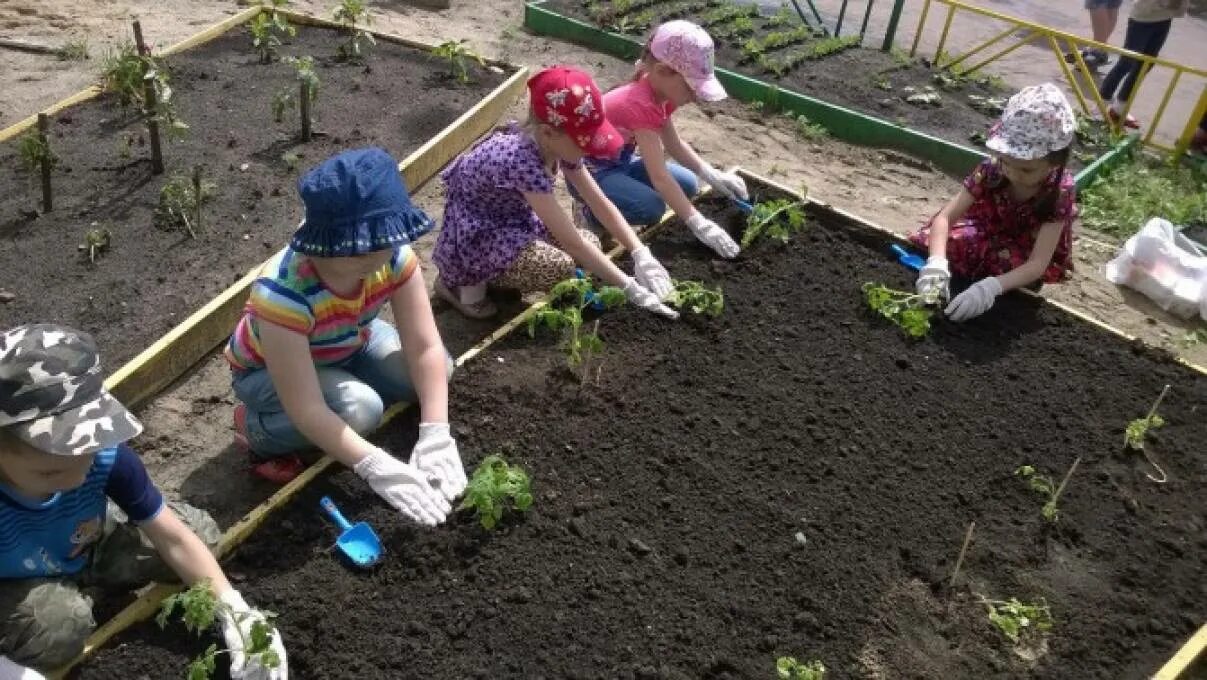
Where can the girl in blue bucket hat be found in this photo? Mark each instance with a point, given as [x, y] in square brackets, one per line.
[314, 366]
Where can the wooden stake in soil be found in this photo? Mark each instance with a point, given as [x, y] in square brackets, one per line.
[960, 559]
[149, 104]
[196, 200]
[1060, 489]
[44, 140]
[582, 380]
[304, 106]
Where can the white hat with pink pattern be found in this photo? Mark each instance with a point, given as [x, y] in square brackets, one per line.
[1037, 121]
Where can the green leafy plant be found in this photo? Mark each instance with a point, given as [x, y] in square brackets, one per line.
[735, 29]
[122, 74]
[73, 50]
[494, 487]
[1123, 201]
[1018, 619]
[1195, 337]
[726, 12]
[268, 28]
[808, 130]
[200, 609]
[990, 106]
[125, 73]
[34, 152]
[788, 668]
[694, 296]
[778, 219]
[568, 318]
[909, 311]
[96, 241]
[1138, 429]
[306, 75]
[812, 51]
[353, 14]
[458, 56]
[180, 202]
[1042, 485]
[783, 16]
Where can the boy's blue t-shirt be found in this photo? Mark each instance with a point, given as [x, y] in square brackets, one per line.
[54, 537]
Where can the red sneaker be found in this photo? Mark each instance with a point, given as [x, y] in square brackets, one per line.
[281, 470]
[1129, 122]
[241, 439]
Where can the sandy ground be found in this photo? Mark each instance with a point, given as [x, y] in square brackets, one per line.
[188, 427]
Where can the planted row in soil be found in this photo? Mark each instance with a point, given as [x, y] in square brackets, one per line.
[149, 280]
[861, 78]
[669, 498]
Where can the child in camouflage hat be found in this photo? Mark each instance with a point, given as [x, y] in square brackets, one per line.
[77, 510]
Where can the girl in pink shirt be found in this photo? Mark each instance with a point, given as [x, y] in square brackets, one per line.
[676, 69]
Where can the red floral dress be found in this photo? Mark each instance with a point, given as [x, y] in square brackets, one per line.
[997, 233]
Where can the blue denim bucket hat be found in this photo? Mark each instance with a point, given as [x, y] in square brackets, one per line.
[356, 203]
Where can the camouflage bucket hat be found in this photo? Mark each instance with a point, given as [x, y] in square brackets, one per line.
[52, 394]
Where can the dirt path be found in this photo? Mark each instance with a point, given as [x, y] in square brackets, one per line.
[188, 427]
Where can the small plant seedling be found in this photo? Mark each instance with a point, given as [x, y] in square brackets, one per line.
[910, 311]
[304, 94]
[1195, 337]
[180, 202]
[353, 14]
[1044, 486]
[1137, 430]
[458, 56]
[778, 219]
[122, 74]
[694, 296]
[810, 131]
[788, 668]
[74, 50]
[1018, 619]
[494, 487]
[568, 320]
[268, 28]
[35, 152]
[990, 106]
[199, 610]
[96, 241]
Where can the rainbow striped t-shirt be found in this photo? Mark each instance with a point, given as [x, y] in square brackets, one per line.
[290, 293]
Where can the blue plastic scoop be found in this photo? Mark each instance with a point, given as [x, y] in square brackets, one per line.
[914, 262]
[357, 543]
[744, 206]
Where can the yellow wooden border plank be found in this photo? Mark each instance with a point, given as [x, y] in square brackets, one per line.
[1185, 657]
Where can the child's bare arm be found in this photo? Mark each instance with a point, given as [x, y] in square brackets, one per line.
[1037, 261]
[426, 357]
[940, 226]
[680, 150]
[649, 143]
[183, 551]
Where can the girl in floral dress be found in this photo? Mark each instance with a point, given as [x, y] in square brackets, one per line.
[504, 227]
[1011, 225]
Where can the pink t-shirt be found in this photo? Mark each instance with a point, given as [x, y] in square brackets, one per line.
[633, 106]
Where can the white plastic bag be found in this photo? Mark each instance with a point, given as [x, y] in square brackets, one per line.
[1165, 266]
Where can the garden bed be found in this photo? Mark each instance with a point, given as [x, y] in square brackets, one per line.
[792, 478]
[150, 279]
[852, 82]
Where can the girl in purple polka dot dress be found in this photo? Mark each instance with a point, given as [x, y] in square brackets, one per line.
[504, 227]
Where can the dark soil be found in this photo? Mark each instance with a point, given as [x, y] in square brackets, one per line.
[867, 80]
[151, 279]
[663, 542]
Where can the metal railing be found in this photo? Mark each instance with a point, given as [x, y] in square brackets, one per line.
[1028, 32]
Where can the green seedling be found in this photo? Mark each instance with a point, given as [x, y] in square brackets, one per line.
[808, 130]
[818, 49]
[778, 219]
[458, 55]
[783, 16]
[1123, 201]
[125, 74]
[1137, 430]
[909, 311]
[494, 487]
[291, 160]
[1043, 485]
[268, 29]
[74, 50]
[35, 152]
[788, 668]
[1195, 337]
[881, 82]
[726, 12]
[353, 14]
[122, 74]
[990, 106]
[979, 138]
[568, 318]
[180, 202]
[305, 76]
[1018, 619]
[96, 241]
[734, 30]
[928, 97]
[200, 609]
[694, 296]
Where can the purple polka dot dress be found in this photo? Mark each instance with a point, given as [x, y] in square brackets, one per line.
[487, 222]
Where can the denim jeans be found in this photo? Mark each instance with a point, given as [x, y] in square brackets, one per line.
[358, 390]
[627, 184]
[1143, 37]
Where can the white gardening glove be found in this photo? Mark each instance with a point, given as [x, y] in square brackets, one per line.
[708, 233]
[237, 627]
[10, 670]
[638, 295]
[975, 301]
[650, 273]
[436, 455]
[403, 486]
[727, 183]
[933, 279]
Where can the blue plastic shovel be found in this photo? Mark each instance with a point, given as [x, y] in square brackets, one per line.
[914, 262]
[357, 543]
[744, 206]
[592, 297]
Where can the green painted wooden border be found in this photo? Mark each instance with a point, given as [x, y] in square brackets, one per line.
[843, 123]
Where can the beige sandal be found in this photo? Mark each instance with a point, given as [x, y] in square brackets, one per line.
[483, 309]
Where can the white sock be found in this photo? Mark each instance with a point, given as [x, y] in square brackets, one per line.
[472, 295]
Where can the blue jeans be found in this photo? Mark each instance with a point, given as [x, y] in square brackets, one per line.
[357, 390]
[1143, 37]
[627, 184]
